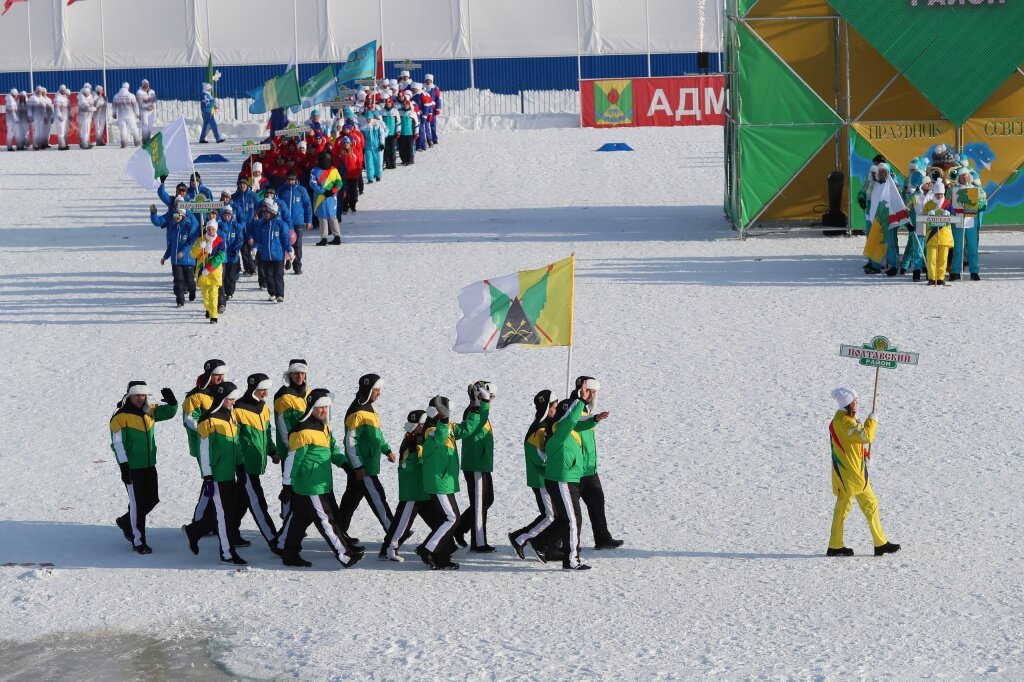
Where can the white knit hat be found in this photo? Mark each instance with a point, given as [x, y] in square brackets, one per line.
[138, 389]
[429, 77]
[844, 396]
[257, 166]
[405, 74]
[938, 187]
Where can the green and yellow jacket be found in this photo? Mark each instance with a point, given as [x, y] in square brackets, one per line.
[254, 434]
[535, 457]
[564, 447]
[585, 429]
[312, 451]
[219, 452]
[440, 456]
[196, 402]
[364, 442]
[289, 406]
[410, 469]
[478, 447]
[131, 433]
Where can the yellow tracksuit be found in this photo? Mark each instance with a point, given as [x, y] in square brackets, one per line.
[938, 242]
[208, 270]
[850, 475]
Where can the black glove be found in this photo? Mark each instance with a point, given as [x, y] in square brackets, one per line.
[862, 202]
[163, 179]
[126, 477]
[286, 494]
[152, 208]
[168, 396]
[328, 192]
[208, 487]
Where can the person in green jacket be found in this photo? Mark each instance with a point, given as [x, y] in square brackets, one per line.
[562, 473]
[545, 403]
[591, 491]
[289, 406]
[219, 457]
[131, 439]
[364, 445]
[441, 474]
[477, 465]
[196, 402]
[411, 497]
[312, 450]
[256, 440]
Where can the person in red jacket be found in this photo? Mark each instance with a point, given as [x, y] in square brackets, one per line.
[351, 167]
[358, 145]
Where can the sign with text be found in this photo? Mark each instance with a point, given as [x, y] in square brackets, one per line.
[202, 206]
[641, 102]
[878, 353]
[295, 131]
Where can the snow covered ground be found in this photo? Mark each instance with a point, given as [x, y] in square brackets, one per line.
[716, 359]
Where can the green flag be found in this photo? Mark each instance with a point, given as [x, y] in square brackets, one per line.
[155, 147]
[276, 93]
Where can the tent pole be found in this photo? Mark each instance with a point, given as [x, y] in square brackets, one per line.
[878, 96]
[647, 16]
[31, 71]
[579, 60]
[103, 47]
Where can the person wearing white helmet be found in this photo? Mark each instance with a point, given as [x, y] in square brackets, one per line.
[62, 109]
[14, 114]
[86, 110]
[847, 437]
[126, 111]
[147, 109]
[430, 88]
[99, 117]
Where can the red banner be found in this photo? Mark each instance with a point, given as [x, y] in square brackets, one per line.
[680, 101]
[73, 132]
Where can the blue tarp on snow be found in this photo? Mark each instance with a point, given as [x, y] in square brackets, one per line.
[615, 147]
[210, 158]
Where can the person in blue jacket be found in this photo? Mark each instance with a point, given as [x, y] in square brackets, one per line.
[373, 147]
[245, 201]
[325, 183]
[233, 234]
[273, 242]
[298, 214]
[208, 105]
[180, 192]
[196, 187]
[181, 234]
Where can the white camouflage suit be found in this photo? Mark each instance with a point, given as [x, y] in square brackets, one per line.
[126, 111]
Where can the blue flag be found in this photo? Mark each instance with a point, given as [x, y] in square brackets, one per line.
[361, 63]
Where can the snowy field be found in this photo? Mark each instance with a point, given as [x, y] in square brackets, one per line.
[716, 359]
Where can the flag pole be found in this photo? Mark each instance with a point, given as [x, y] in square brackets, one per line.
[568, 374]
[103, 48]
[295, 35]
[874, 402]
[31, 71]
[568, 366]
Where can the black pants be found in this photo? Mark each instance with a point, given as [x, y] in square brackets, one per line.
[184, 280]
[355, 491]
[538, 530]
[251, 499]
[221, 516]
[593, 496]
[351, 193]
[405, 514]
[297, 246]
[565, 498]
[405, 149]
[272, 272]
[260, 275]
[248, 262]
[231, 272]
[440, 542]
[321, 511]
[143, 497]
[389, 151]
[481, 497]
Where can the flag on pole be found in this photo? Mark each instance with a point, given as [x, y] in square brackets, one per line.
[888, 212]
[361, 63]
[276, 93]
[380, 63]
[322, 87]
[71, 2]
[212, 75]
[7, 5]
[528, 308]
[166, 152]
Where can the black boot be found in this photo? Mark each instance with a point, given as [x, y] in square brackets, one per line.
[293, 559]
[870, 269]
[892, 272]
[193, 541]
[122, 523]
[887, 548]
[954, 277]
[917, 275]
[842, 551]
[235, 559]
[425, 555]
[322, 242]
[516, 546]
[611, 543]
[143, 549]
[975, 277]
[336, 241]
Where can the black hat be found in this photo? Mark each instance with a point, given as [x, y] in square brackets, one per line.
[269, 190]
[195, 176]
[438, 407]
[220, 393]
[563, 407]
[211, 367]
[181, 185]
[541, 401]
[415, 418]
[295, 365]
[367, 383]
[254, 383]
[579, 384]
[292, 175]
[318, 397]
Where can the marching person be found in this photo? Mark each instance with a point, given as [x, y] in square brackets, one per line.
[14, 114]
[364, 445]
[147, 109]
[257, 442]
[298, 214]
[86, 112]
[208, 106]
[848, 436]
[39, 106]
[350, 164]
[126, 111]
[181, 237]
[390, 117]
[274, 246]
[234, 242]
[325, 181]
[477, 465]
[219, 457]
[62, 108]
[312, 450]
[591, 492]
[197, 401]
[562, 472]
[407, 126]
[99, 117]
[289, 406]
[246, 202]
[441, 477]
[209, 253]
[411, 498]
[545, 404]
[430, 129]
[131, 439]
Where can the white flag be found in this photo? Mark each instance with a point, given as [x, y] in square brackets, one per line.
[169, 148]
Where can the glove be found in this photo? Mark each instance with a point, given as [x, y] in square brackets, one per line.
[126, 477]
[286, 494]
[168, 396]
[862, 202]
[208, 486]
[380, 148]
[152, 209]
[163, 179]
[327, 193]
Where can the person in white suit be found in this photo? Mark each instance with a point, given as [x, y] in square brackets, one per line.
[86, 110]
[99, 117]
[62, 109]
[14, 114]
[126, 111]
[147, 109]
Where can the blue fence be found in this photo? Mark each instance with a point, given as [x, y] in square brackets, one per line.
[503, 76]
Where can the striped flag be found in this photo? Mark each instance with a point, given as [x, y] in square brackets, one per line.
[276, 93]
[528, 308]
[322, 87]
[7, 5]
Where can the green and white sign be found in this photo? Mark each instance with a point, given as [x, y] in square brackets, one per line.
[294, 131]
[879, 354]
[203, 206]
[250, 147]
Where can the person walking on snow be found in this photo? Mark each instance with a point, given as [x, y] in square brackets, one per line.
[197, 401]
[477, 465]
[209, 252]
[131, 439]
[219, 457]
[545, 403]
[208, 106]
[591, 492]
[847, 437]
[234, 241]
[325, 181]
[562, 472]
[411, 498]
[273, 243]
[181, 236]
[257, 442]
[430, 129]
[289, 406]
[298, 214]
[86, 113]
[147, 109]
[126, 111]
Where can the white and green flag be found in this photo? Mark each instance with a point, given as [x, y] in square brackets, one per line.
[322, 87]
[166, 152]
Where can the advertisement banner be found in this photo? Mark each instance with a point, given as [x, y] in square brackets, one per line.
[73, 129]
[641, 102]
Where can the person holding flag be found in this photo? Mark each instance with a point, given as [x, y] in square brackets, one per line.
[208, 106]
[591, 491]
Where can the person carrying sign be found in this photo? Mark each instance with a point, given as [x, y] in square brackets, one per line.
[848, 436]
[968, 200]
[939, 239]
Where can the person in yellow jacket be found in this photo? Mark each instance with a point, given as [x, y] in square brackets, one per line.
[938, 238]
[209, 252]
[848, 436]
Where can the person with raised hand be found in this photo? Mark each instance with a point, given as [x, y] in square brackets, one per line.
[562, 473]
